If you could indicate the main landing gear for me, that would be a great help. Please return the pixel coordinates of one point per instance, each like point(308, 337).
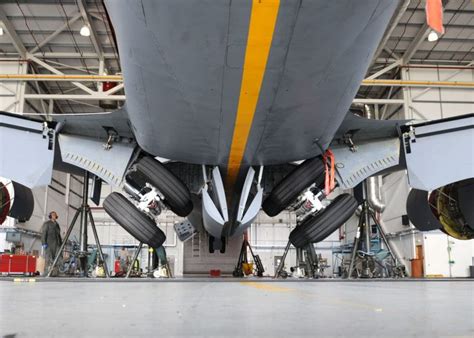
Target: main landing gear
point(150, 187)
point(301, 192)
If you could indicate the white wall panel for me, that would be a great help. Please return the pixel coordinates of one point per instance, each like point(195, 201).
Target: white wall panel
point(446, 256)
point(440, 102)
point(10, 92)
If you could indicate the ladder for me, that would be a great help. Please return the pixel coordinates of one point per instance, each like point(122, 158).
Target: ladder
point(196, 245)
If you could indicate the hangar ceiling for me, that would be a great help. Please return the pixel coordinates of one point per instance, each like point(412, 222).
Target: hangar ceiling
point(45, 36)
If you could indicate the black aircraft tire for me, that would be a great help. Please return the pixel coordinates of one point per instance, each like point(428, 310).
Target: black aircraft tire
point(176, 194)
point(292, 185)
point(317, 228)
point(136, 223)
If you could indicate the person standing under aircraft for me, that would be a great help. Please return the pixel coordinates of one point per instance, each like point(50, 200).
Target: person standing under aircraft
point(51, 240)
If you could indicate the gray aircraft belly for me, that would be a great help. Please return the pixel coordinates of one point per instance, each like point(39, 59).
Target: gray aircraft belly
point(320, 54)
point(178, 87)
point(183, 62)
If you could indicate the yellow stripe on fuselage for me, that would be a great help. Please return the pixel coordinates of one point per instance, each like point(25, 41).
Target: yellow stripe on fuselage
point(262, 25)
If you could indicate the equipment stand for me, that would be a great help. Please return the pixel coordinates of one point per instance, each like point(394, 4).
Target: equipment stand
point(363, 227)
point(311, 261)
point(85, 212)
point(282, 261)
point(163, 260)
point(135, 256)
point(238, 271)
point(305, 257)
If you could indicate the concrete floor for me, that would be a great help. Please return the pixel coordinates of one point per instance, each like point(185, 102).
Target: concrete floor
point(237, 308)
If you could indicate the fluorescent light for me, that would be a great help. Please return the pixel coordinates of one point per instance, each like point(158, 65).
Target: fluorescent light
point(1, 31)
point(85, 31)
point(433, 36)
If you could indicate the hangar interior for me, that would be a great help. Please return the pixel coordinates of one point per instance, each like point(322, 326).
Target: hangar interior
point(413, 75)
point(376, 274)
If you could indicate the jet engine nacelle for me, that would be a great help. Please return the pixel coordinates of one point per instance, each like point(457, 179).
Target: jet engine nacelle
point(449, 209)
point(16, 201)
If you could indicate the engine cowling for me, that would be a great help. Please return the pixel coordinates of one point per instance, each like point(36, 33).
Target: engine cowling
point(16, 201)
point(4, 202)
point(449, 209)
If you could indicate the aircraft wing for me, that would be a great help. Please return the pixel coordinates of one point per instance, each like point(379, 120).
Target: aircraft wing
point(97, 125)
point(364, 147)
point(102, 143)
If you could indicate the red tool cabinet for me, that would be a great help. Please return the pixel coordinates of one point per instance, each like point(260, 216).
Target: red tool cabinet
point(17, 264)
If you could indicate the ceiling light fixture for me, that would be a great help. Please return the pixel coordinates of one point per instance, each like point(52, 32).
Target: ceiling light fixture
point(433, 36)
point(85, 31)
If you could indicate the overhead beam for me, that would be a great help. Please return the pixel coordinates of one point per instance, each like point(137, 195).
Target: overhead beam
point(432, 61)
point(417, 83)
point(56, 32)
point(7, 25)
point(418, 40)
point(60, 77)
point(378, 101)
point(390, 52)
point(98, 16)
point(66, 55)
point(114, 89)
point(415, 43)
point(94, 37)
point(74, 55)
point(74, 97)
point(384, 70)
point(60, 65)
point(388, 33)
point(57, 72)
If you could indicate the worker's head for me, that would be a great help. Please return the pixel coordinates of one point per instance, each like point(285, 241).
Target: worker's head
point(53, 216)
